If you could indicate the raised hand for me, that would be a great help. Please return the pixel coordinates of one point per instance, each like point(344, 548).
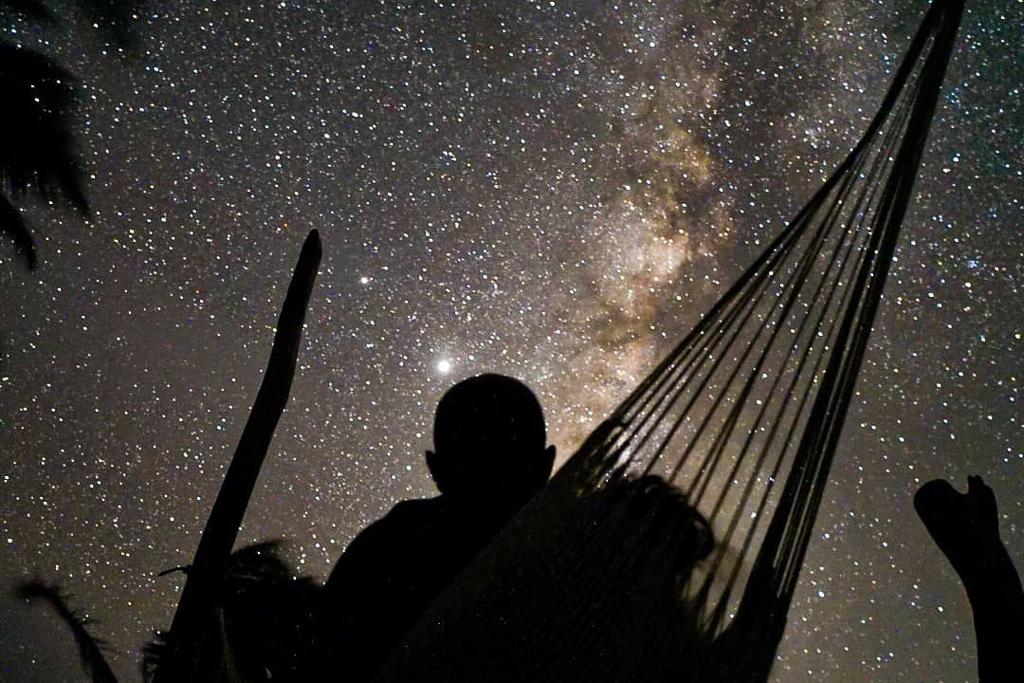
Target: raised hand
point(965, 526)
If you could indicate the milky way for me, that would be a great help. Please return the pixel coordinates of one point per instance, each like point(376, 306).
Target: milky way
point(551, 190)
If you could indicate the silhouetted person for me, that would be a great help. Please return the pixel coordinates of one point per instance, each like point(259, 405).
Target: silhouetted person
point(966, 529)
point(584, 586)
point(489, 458)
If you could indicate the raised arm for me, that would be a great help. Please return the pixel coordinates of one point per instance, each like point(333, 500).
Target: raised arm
point(965, 526)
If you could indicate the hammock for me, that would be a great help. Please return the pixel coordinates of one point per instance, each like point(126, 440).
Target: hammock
point(743, 416)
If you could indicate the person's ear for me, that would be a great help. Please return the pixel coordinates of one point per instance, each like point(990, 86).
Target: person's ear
point(540, 470)
point(549, 461)
point(439, 471)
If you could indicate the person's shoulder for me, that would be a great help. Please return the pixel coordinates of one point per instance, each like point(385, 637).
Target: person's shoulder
point(405, 514)
point(416, 506)
point(413, 513)
point(407, 524)
point(400, 528)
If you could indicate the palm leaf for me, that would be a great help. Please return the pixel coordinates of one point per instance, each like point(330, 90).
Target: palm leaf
point(30, 9)
point(14, 225)
point(90, 648)
point(266, 616)
point(152, 654)
point(37, 155)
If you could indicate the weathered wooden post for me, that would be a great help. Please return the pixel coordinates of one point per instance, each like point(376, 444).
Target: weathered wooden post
point(194, 642)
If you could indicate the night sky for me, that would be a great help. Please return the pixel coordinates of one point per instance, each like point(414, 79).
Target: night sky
point(552, 190)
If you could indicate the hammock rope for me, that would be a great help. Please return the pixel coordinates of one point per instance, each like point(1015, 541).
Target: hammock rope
point(785, 323)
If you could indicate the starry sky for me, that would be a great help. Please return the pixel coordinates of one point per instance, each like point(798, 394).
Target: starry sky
point(553, 190)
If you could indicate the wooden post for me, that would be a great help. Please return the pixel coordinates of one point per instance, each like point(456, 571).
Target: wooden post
point(193, 651)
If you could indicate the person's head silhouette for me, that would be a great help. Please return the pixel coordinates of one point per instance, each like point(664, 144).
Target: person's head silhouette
point(489, 442)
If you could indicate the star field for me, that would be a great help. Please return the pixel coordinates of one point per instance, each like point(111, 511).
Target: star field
point(551, 190)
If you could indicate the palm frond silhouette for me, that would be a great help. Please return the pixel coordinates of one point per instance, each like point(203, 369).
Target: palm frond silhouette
point(265, 617)
point(30, 9)
point(90, 648)
point(37, 154)
point(251, 616)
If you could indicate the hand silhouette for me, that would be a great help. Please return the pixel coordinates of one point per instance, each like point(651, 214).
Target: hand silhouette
point(965, 526)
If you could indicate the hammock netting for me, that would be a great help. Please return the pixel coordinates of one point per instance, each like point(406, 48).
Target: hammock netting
point(743, 417)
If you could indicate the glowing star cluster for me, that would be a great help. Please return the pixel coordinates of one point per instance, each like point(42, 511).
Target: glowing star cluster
point(664, 212)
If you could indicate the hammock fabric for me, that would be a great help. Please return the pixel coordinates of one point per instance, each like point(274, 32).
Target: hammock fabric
point(743, 416)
